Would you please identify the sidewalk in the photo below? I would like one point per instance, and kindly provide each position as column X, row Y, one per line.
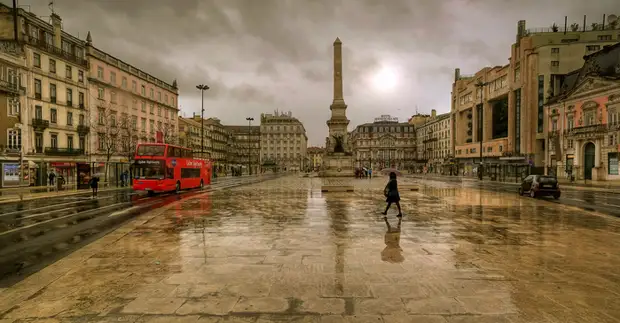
column 601, row 186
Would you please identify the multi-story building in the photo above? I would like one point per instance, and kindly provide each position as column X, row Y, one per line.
column 128, row 106
column 219, row 145
column 247, row 143
column 584, row 120
column 189, row 136
column 502, row 106
column 434, row 143
column 315, row 154
column 55, row 79
column 385, row 143
column 283, row 142
column 12, row 99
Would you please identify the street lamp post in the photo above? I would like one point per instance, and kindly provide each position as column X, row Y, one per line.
column 202, row 88
column 249, row 119
column 481, row 85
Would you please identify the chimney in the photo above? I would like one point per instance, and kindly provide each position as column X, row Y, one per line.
column 520, row 30
column 457, row 74
column 433, row 113
column 57, row 25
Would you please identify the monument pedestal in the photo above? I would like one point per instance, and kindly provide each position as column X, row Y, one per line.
column 337, row 165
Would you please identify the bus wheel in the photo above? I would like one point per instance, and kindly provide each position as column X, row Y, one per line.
column 178, row 188
column 202, row 185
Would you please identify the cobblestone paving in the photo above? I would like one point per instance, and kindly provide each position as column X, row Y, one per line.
column 281, row 251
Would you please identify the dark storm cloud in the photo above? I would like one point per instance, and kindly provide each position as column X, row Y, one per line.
column 262, row 55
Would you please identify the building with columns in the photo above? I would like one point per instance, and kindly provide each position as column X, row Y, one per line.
column 584, row 120
column 503, row 106
column 283, row 142
column 384, row 143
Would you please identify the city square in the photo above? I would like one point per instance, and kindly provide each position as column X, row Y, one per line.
column 289, row 253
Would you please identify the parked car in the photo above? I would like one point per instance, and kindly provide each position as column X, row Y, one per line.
column 540, row 185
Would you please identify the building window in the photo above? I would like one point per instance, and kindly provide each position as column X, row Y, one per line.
column 101, row 93
column 134, row 86
column 124, row 82
column 151, row 93
column 70, row 141
column 81, row 120
column 69, row 118
column 613, row 163
column 53, row 93
column 81, row 99
column 113, row 120
column 13, row 106
column 555, row 63
column 38, row 112
column 143, row 90
column 134, row 122
column 613, row 140
column 571, row 123
column 159, row 111
column 134, row 104
column 612, row 117
column 113, row 97
column 36, row 60
column 589, row 118
column 69, row 97
column 541, row 102
column 101, row 141
column 68, row 72
column 152, row 108
column 54, row 141
column 82, row 143
column 143, row 124
column 81, row 76
column 100, row 72
column 554, row 125
column 555, row 50
column 53, row 116
column 14, row 139
column 143, row 106
column 604, row 37
column 101, row 117
column 593, row 48
column 172, row 101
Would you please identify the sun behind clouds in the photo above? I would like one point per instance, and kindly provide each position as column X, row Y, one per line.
column 385, row 80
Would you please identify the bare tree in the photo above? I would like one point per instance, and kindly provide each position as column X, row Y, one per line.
column 169, row 133
column 128, row 132
column 105, row 126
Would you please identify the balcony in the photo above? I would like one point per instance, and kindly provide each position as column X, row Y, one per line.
column 9, row 87
column 12, row 151
column 83, row 130
column 587, row 132
column 40, row 124
column 55, row 151
column 554, row 133
column 51, row 49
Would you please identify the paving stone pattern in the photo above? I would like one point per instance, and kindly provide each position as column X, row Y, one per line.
column 282, row 251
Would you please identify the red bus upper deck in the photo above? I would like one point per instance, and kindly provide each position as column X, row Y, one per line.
column 163, row 167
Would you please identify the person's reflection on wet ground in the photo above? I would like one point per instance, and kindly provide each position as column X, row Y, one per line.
column 392, row 252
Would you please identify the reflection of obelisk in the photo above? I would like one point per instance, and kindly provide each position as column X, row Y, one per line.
column 337, row 160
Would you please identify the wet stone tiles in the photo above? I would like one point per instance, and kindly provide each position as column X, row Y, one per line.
column 281, row 251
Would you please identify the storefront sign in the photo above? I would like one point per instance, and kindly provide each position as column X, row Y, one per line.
column 10, row 175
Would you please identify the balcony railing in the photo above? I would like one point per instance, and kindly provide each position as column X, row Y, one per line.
column 83, row 129
column 9, row 87
column 40, row 124
column 596, row 130
column 55, row 151
column 41, row 44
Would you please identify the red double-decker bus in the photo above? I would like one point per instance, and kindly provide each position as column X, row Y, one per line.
column 163, row 168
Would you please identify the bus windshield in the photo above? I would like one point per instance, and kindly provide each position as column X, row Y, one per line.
column 151, row 150
column 149, row 169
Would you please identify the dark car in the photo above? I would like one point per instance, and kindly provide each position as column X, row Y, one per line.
column 540, row 185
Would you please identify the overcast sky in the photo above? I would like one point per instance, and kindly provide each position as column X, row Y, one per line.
column 261, row 55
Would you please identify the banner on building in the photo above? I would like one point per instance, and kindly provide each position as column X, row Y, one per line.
column 159, row 136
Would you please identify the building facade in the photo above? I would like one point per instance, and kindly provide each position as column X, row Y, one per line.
column 503, row 106
column 14, row 172
column 283, row 142
column 127, row 106
column 385, row 143
column 189, row 135
column 315, row 156
column 434, row 143
column 247, row 141
column 584, row 120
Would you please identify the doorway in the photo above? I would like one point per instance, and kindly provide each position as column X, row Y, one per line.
column 588, row 160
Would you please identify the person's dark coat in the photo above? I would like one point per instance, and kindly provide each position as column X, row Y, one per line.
column 391, row 191
column 94, row 182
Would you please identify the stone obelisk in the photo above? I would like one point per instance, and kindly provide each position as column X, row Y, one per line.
column 337, row 161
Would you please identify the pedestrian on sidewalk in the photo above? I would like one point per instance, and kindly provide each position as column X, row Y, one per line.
column 51, row 178
column 370, row 173
column 392, row 196
column 94, row 184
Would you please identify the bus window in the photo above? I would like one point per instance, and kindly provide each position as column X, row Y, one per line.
column 149, row 169
column 190, row 172
column 151, row 150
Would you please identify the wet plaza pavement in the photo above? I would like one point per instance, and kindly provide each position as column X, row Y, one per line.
column 282, row 251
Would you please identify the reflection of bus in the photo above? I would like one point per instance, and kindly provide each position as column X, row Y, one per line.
column 162, row 168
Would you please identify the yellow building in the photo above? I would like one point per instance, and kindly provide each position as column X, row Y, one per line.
column 315, row 154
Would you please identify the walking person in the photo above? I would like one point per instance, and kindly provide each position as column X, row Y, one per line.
column 391, row 193
column 94, row 184
column 51, row 178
